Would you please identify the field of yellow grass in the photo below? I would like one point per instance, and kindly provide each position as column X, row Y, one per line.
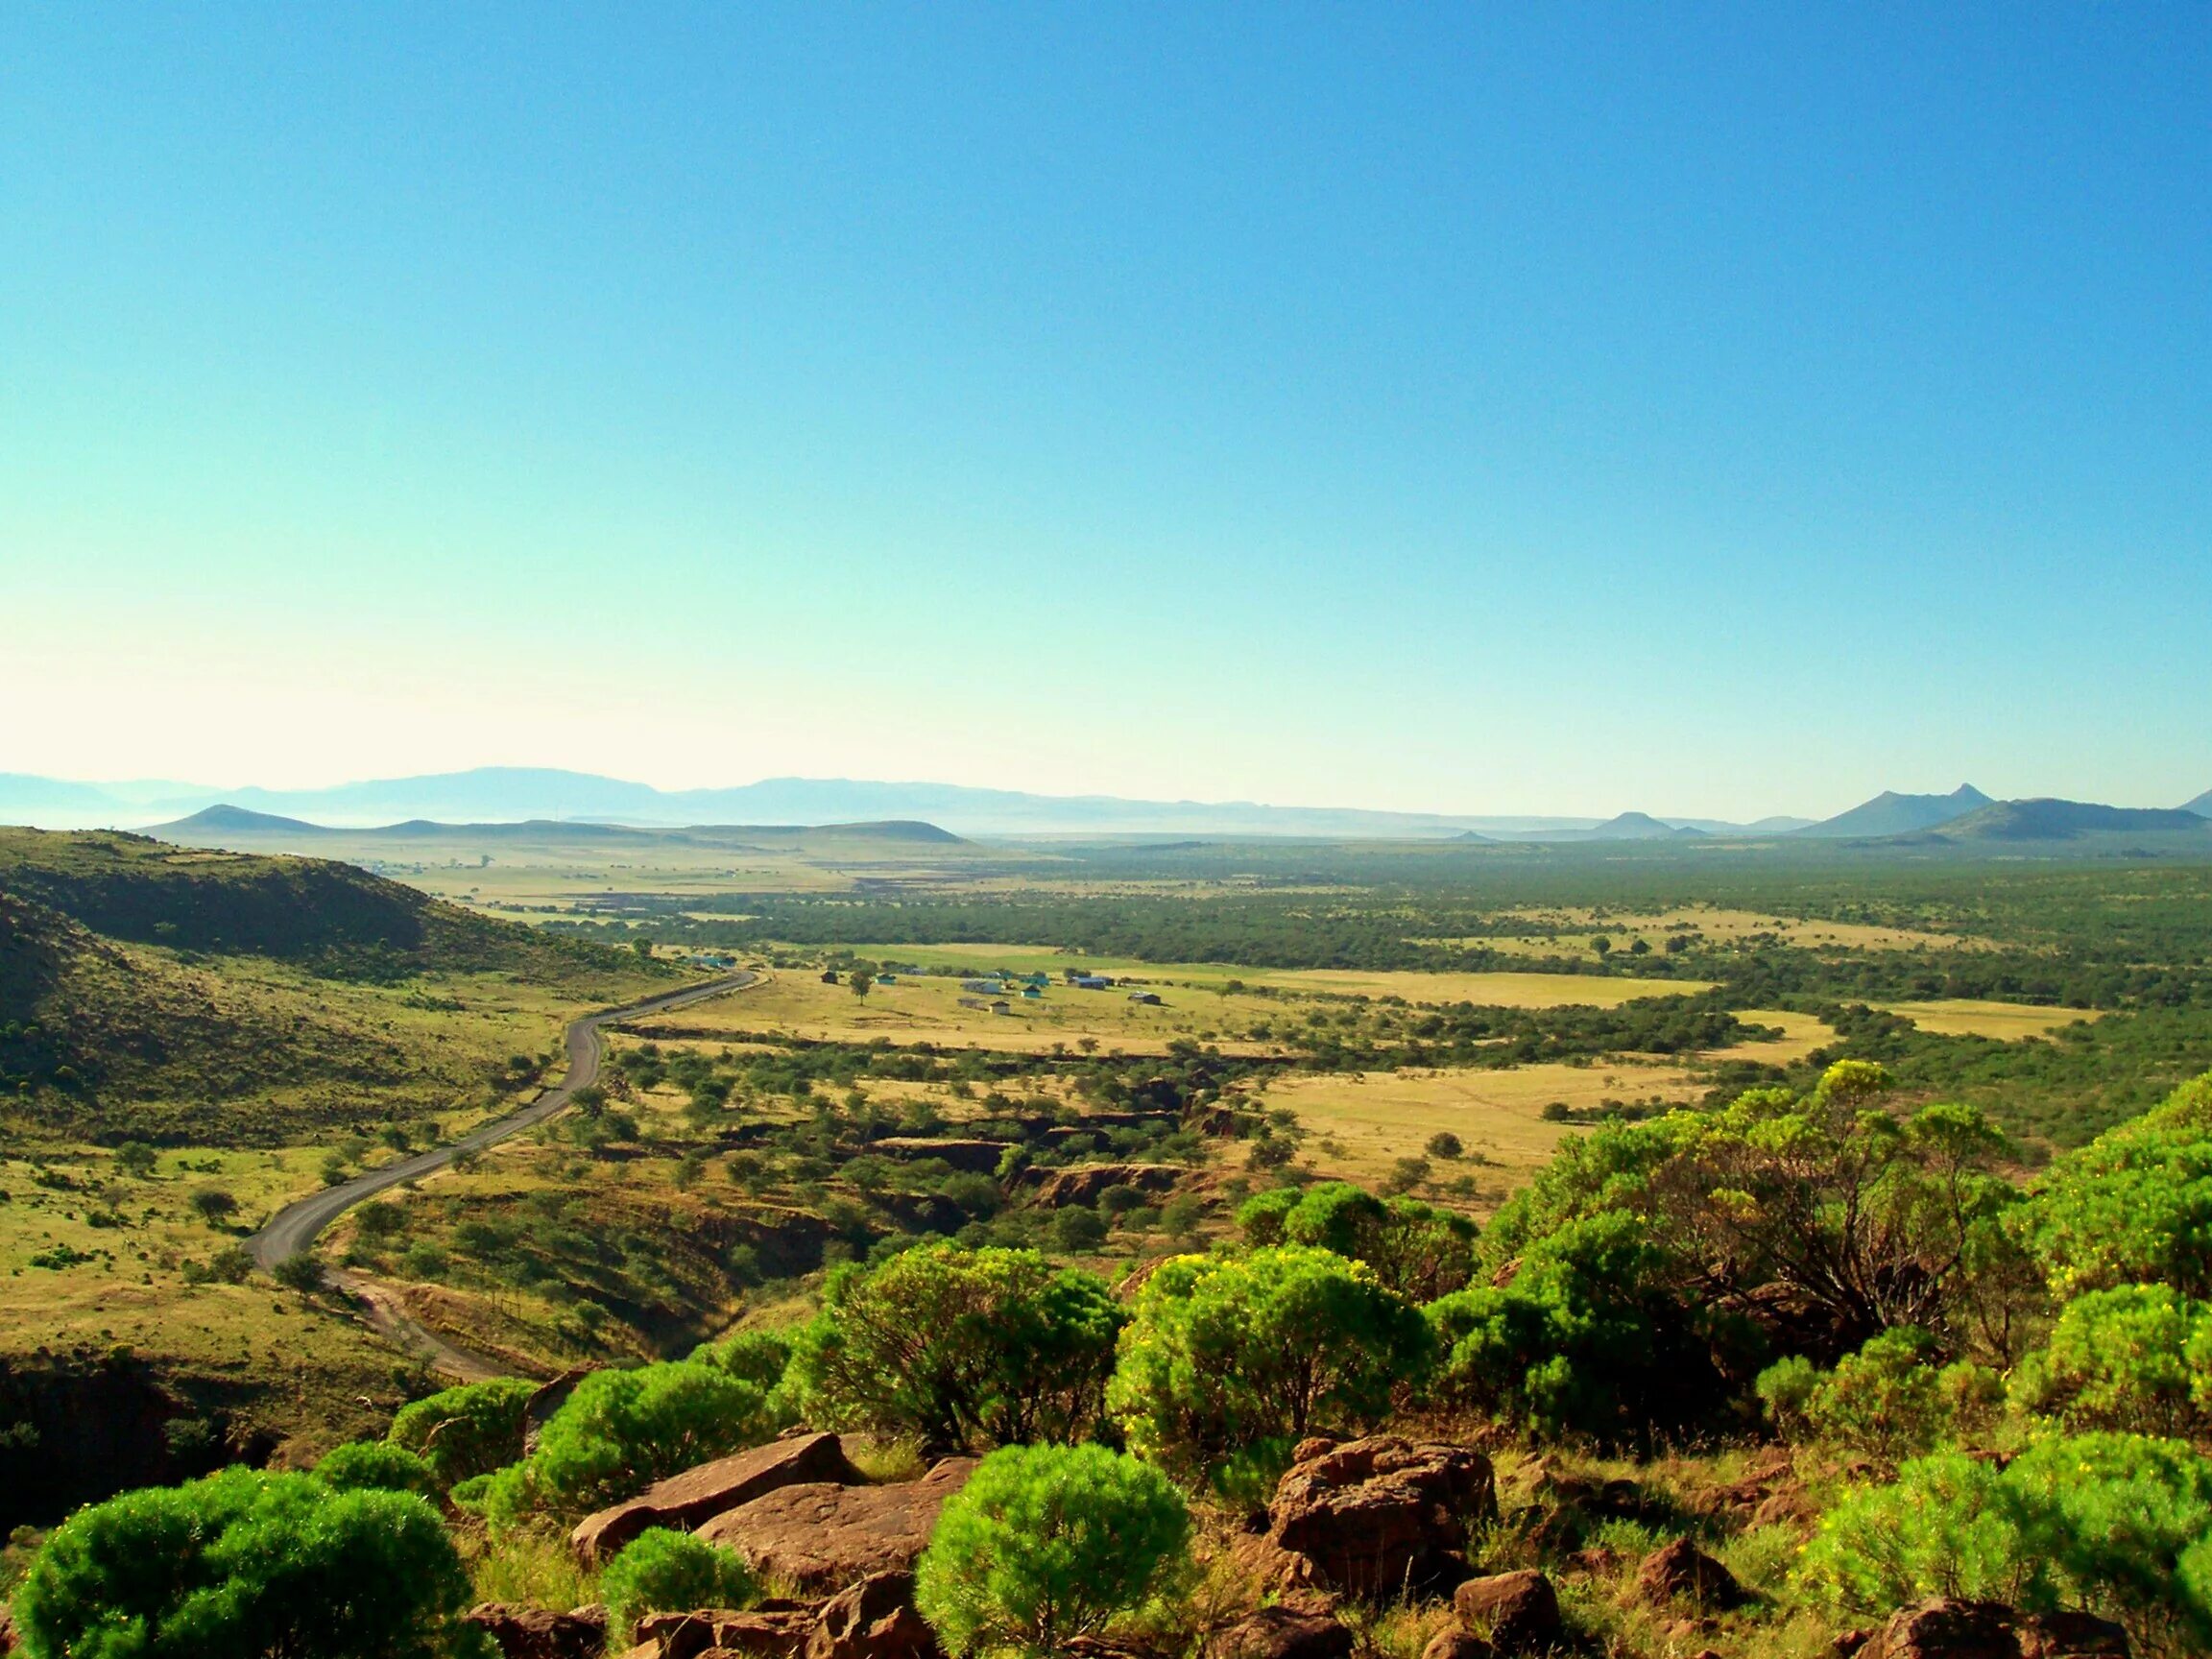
column 2003, row 1021
column 1566, row 930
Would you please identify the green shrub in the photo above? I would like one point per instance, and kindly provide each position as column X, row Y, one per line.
column 2134, row 1205
column 376, row 1466
column 621, row 1431
column 661, row 1570
column 1224, row 1351
column 757, row 1357
column 2110, row 1522
column 303, row 1273
column 959, row 1348
column 2136, row 1359
column 1785, row 1390
column 1884, row 1400
column 1046, row 1543
column 466, row 1432
column 1417, row 1250
column 247, row 1564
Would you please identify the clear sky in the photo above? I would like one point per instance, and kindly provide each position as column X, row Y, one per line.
column 1719, row 410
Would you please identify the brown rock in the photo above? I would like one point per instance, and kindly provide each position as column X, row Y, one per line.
column 1266, row 1563
column 538, row 1632
column 685, row 1501
column 1381, row 1515
column 1084, row 1183
column 822, row 1538
column 1849, row 1642
column 1946, row 1629
column 2070, row 1636
column 1682, row 1568
column 1456, row 1645
column 1282, row 1633
column 873, row 1619
column 1518, row 1611
column 765, row 1632
column 1788, row 1505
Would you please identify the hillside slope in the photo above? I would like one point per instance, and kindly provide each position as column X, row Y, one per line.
column 225, row 999
column 2052, row 819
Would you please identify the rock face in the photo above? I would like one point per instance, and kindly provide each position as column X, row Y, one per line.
column 538, row 1632
column 823, row 1537
column 1381, row 1515
column 873, row 1619
column 685, row 1501
column 1518, row 1611
column 773, row 1630
column 1682, row 1568
column 1085, row 1181
column 1284, row 1633
column 1947, row 1629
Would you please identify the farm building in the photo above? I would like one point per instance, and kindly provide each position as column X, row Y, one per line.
column 1001, row 1006
column 983, row 987
column 828, row 975
column 1093, row 982
column 1150, row 999
column 1033, row 993
column 975, row 1002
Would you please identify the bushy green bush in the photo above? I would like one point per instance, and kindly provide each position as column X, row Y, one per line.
column 757, row 1357
column 1417, row 1250
column 659, row 1570
column 621, row 1431
column 959, row 1348
column 466, row 1432
column 1045, row 1543
column 1587, row 1338
column 2111, row 1521
column 2137, row 1357
column 376, row 1466
column 2133, row 1207
column 1226, row 1351
column 250, row 1565
column 1892, row 1399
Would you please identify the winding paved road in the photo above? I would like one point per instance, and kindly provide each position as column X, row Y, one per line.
column 293, row 1228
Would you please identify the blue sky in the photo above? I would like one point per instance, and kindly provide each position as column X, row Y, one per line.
column 1700, row 409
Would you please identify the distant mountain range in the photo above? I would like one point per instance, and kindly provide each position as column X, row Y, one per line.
column 495, row 795
column 1890, row 813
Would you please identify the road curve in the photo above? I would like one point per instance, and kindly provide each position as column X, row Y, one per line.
column 293, row 1228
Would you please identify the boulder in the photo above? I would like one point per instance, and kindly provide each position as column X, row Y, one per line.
column 874, row 1618
column 1682, row 1568
column 539, row 1632
column 1518, row 1611
column 683, row 1500
column 1381, row 1515
column 1943, row 1628
column 771, row 1631
column 823, row 1537
column 1457, row 1645
column 1285, row 1633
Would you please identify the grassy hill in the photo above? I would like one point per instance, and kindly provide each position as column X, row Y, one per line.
column 2052, row 819
column 179, row 996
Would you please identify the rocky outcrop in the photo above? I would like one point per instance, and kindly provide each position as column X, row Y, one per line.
column 772, row 1630
column 1457, row 1645
column 1285, row 1633
column 697, row 1495
column 822, row 1538
column 1084, row 1183
column 1682, row 1568
column 1518, row 1612
column 1951, row 1629
column 874, row 1618
column 539, row 1632
column 1379, row 1516
column 976, row 1156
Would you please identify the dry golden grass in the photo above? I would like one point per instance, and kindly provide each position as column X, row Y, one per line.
column 1360, row 1125
column 2003, row 1021
column 1801, row 1034
column 1566, row 930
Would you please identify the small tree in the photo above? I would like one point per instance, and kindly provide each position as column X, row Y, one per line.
column 212, row 1205
column 862, row 981
column 1226, row 1352
column 135, row 1159
column 303, row 1273
column 661, row 1570
column 1048, row 1543
column 1446, row 1145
